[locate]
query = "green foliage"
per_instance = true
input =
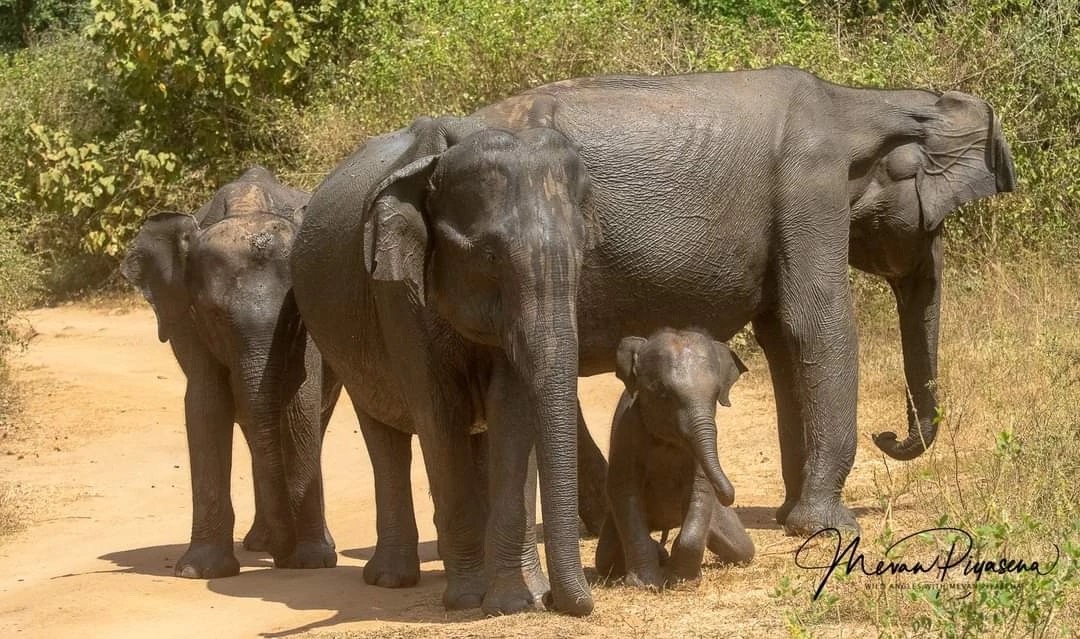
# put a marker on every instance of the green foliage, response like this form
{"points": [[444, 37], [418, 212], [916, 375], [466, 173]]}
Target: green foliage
{"points": [[1008, 605], [23, 22], [93, 196], [192, 70], [767, 10], [208, 87]]}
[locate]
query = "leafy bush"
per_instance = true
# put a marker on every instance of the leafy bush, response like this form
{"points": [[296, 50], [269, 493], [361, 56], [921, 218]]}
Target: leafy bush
{"points": [[23, 21], [92, 196], [206, 88], [190, 71]]}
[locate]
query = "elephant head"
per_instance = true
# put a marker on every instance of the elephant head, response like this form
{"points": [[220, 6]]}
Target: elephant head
{"points": [[676, 378], [485, 226], [952, 151], [156, 263]]}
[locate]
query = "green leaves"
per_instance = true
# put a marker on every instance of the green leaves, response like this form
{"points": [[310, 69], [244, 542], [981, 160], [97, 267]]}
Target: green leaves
{"points": [[187, 64], [91, 195]]}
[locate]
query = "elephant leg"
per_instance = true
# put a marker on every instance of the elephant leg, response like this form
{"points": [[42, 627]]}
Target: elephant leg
{"points": [[331, 392], [302, 435], [818, 326], [257, 538], [592, 477], [209, 415], [442, 413], [478, 444], [516, 581], [689, 547], [788, 420], [609, 552], [395, 563], [727, 536], [459, 514]]}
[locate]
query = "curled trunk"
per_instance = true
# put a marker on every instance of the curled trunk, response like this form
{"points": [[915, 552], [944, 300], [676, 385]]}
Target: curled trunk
{"points": [[701, 431], [918, 302]]}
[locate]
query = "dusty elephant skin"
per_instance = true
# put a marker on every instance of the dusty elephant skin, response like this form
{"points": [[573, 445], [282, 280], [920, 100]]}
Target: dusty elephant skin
{"points": [[664, 470], [547, 226], [409, 372], [219, 284]]}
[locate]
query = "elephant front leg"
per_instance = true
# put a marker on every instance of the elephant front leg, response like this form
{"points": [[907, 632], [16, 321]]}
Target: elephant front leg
{"points": [[516, 581], [208, 411], [789, 424], [822, 358], [395, 563], [689, 547]]}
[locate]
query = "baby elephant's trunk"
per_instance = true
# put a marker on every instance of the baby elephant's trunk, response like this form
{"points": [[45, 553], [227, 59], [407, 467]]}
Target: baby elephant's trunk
{"points": [[702, 440]]}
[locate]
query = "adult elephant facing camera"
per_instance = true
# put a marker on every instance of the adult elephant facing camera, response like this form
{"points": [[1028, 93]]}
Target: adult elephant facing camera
{"points": [[550, 225]]}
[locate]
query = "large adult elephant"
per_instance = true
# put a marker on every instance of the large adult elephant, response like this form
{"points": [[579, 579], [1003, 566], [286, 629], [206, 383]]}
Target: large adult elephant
{"points": [[548, 226], [220, 287]]}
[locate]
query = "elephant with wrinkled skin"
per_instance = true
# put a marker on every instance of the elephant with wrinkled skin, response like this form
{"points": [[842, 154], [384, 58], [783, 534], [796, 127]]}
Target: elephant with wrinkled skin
{"points": [[664, 471], [219, 284], [501, 255]]}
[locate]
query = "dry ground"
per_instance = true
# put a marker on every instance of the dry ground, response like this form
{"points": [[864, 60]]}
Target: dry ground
{"points": [[99, 451]]}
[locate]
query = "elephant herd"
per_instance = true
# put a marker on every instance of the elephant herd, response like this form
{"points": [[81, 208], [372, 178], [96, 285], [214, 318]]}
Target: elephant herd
{"points": [[458, 275]]}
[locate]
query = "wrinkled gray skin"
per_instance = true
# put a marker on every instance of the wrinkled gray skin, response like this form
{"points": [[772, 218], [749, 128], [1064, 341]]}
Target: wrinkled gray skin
{"points": [[409, 372], [617, 206], [663, 469], [219, 284]]}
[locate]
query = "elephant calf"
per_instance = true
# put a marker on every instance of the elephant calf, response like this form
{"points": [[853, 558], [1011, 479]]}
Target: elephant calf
{"points": [[663, 469], [220, 285]]}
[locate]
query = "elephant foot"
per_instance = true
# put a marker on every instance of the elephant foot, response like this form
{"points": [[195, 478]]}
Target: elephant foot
{"points": [[398, 568], [207, 561], [463, 592], [808, 517], [513, 592], [258, 538], [644, 578], [684, 567], [728, 539], [785, 509], [575, 601], [310, 555], [682, 580]]}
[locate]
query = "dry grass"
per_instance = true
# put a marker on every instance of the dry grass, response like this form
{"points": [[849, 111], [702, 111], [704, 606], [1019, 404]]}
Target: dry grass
{"points": [[1004, 467]]}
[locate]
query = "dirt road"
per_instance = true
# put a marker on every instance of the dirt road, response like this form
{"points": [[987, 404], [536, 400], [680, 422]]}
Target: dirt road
{"points": [[104, 453]]}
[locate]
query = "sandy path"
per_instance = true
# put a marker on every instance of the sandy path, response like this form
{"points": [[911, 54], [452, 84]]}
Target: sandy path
{"points": [[105, 398]]}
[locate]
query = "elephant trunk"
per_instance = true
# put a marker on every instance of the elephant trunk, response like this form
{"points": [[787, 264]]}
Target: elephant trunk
{"points": [[918, 302], [700, 431], [543, 349], [261, 375]]}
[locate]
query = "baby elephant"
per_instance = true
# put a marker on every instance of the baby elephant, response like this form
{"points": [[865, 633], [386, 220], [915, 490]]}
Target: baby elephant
{"points": [[663, 467]]}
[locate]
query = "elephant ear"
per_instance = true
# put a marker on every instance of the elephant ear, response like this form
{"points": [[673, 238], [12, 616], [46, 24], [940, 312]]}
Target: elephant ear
{"points": [[966, 157], [395, 230], [156, 263], [734, 368], [626, 361]]}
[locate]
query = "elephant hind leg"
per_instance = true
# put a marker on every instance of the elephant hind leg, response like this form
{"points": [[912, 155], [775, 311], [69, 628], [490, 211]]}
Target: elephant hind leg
{"points": [[610, 563], [592, 479], [395, 563], [302, 435], [727, 538]]}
